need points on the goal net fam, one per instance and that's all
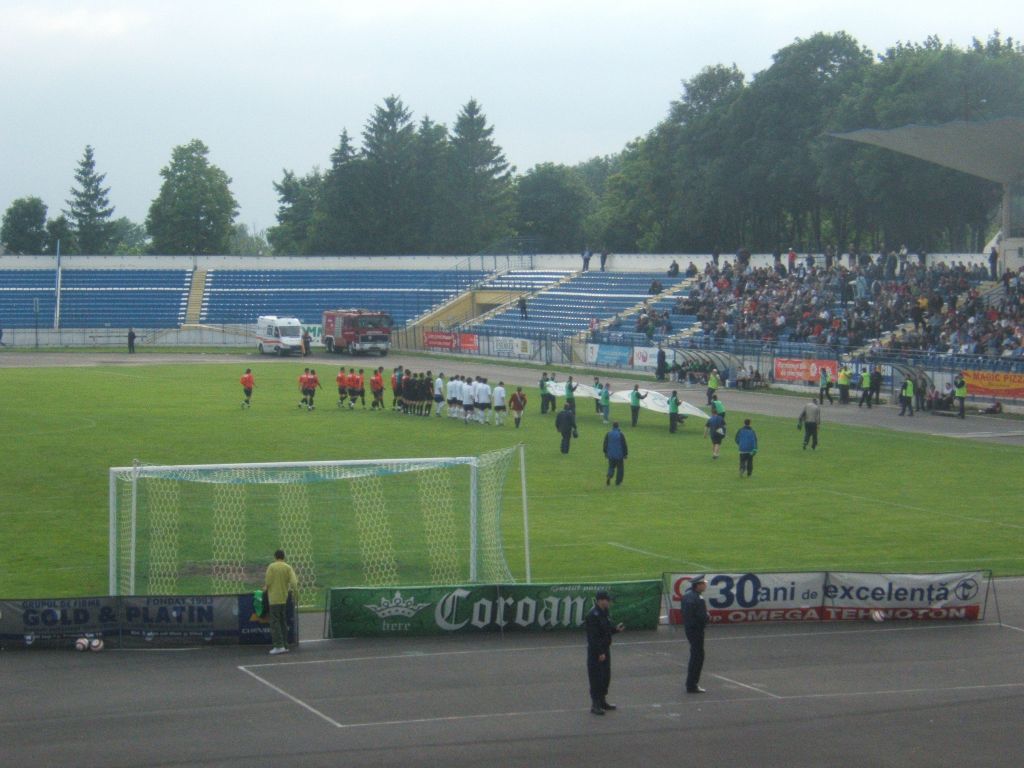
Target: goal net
(212, 529)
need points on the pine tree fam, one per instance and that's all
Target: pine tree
(481, 182)
(89, 211)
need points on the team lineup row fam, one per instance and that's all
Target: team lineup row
(466, 397)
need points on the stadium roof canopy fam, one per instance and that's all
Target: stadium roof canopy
(993, 149)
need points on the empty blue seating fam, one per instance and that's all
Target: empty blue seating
(118, 298)
(240, 296)
(19, 291)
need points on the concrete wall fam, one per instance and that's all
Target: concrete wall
(637, 262)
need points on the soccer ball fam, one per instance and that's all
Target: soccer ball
(877, 616)
(82, 644)
(96, 644)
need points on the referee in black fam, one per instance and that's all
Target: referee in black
(695, 618)
(599, 652)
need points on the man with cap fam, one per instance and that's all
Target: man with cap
(599, 652)
(695, 618)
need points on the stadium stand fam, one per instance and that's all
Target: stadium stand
(144, 298)
(239, 296)
(19, 290)
(568, 307)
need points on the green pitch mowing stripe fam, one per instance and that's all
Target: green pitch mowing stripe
(866, 499)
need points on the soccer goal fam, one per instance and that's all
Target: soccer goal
(212, 529)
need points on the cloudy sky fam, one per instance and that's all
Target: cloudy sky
(271, 85)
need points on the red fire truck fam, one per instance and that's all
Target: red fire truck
(357, 330)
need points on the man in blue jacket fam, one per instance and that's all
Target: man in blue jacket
(616, 451)
(746, 439)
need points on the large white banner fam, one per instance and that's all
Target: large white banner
(658, 402)
(734, 598)
(905, 595)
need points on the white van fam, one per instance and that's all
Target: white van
(278, 335)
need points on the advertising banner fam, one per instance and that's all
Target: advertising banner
(190, 618)
(418, 611)
(796, 369)
(905, 595)
(995, 385)
(609, 356)
(645, 358)
(469, 342)
(25, 622)
(736, 598)
(509, 347)
(439, 340)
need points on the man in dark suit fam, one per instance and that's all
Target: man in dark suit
(599, 652)
(565, 423)
(695, 618)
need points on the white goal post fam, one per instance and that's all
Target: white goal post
(213, 528)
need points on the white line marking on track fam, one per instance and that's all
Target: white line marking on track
(575, 648)
(975, 435)
(294, 699)
(744, 685)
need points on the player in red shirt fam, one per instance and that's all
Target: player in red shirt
(342, 380)
(352, 383)
(304, 389)
(377, 388)
(248, 382)
(361, 388)
(314, 383)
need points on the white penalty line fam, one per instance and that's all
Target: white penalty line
(671, 558)
(912, 508)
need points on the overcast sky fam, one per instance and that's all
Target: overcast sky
(271, 85)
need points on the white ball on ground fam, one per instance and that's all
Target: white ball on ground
(82, 644)
(877, 616)
(96, 644)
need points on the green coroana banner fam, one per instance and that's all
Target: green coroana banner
(440, 610)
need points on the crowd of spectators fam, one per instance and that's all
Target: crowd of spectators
(854, 300)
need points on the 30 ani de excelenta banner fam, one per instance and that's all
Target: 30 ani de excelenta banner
(734, 598)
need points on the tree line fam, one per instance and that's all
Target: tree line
(737, 162)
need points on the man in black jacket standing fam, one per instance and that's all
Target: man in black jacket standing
(565, 423)
(695, 618)
(599, 652)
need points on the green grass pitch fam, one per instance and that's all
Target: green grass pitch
(868, 499)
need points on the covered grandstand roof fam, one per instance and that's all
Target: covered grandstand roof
(993, 149)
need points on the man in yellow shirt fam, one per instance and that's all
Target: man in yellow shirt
(281, 582)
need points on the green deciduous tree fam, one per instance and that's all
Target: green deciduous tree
(60, 234)
(24, 226)
(195, 210)
(129, 237)
(89, 210)
(552, 206)
(298, 198)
